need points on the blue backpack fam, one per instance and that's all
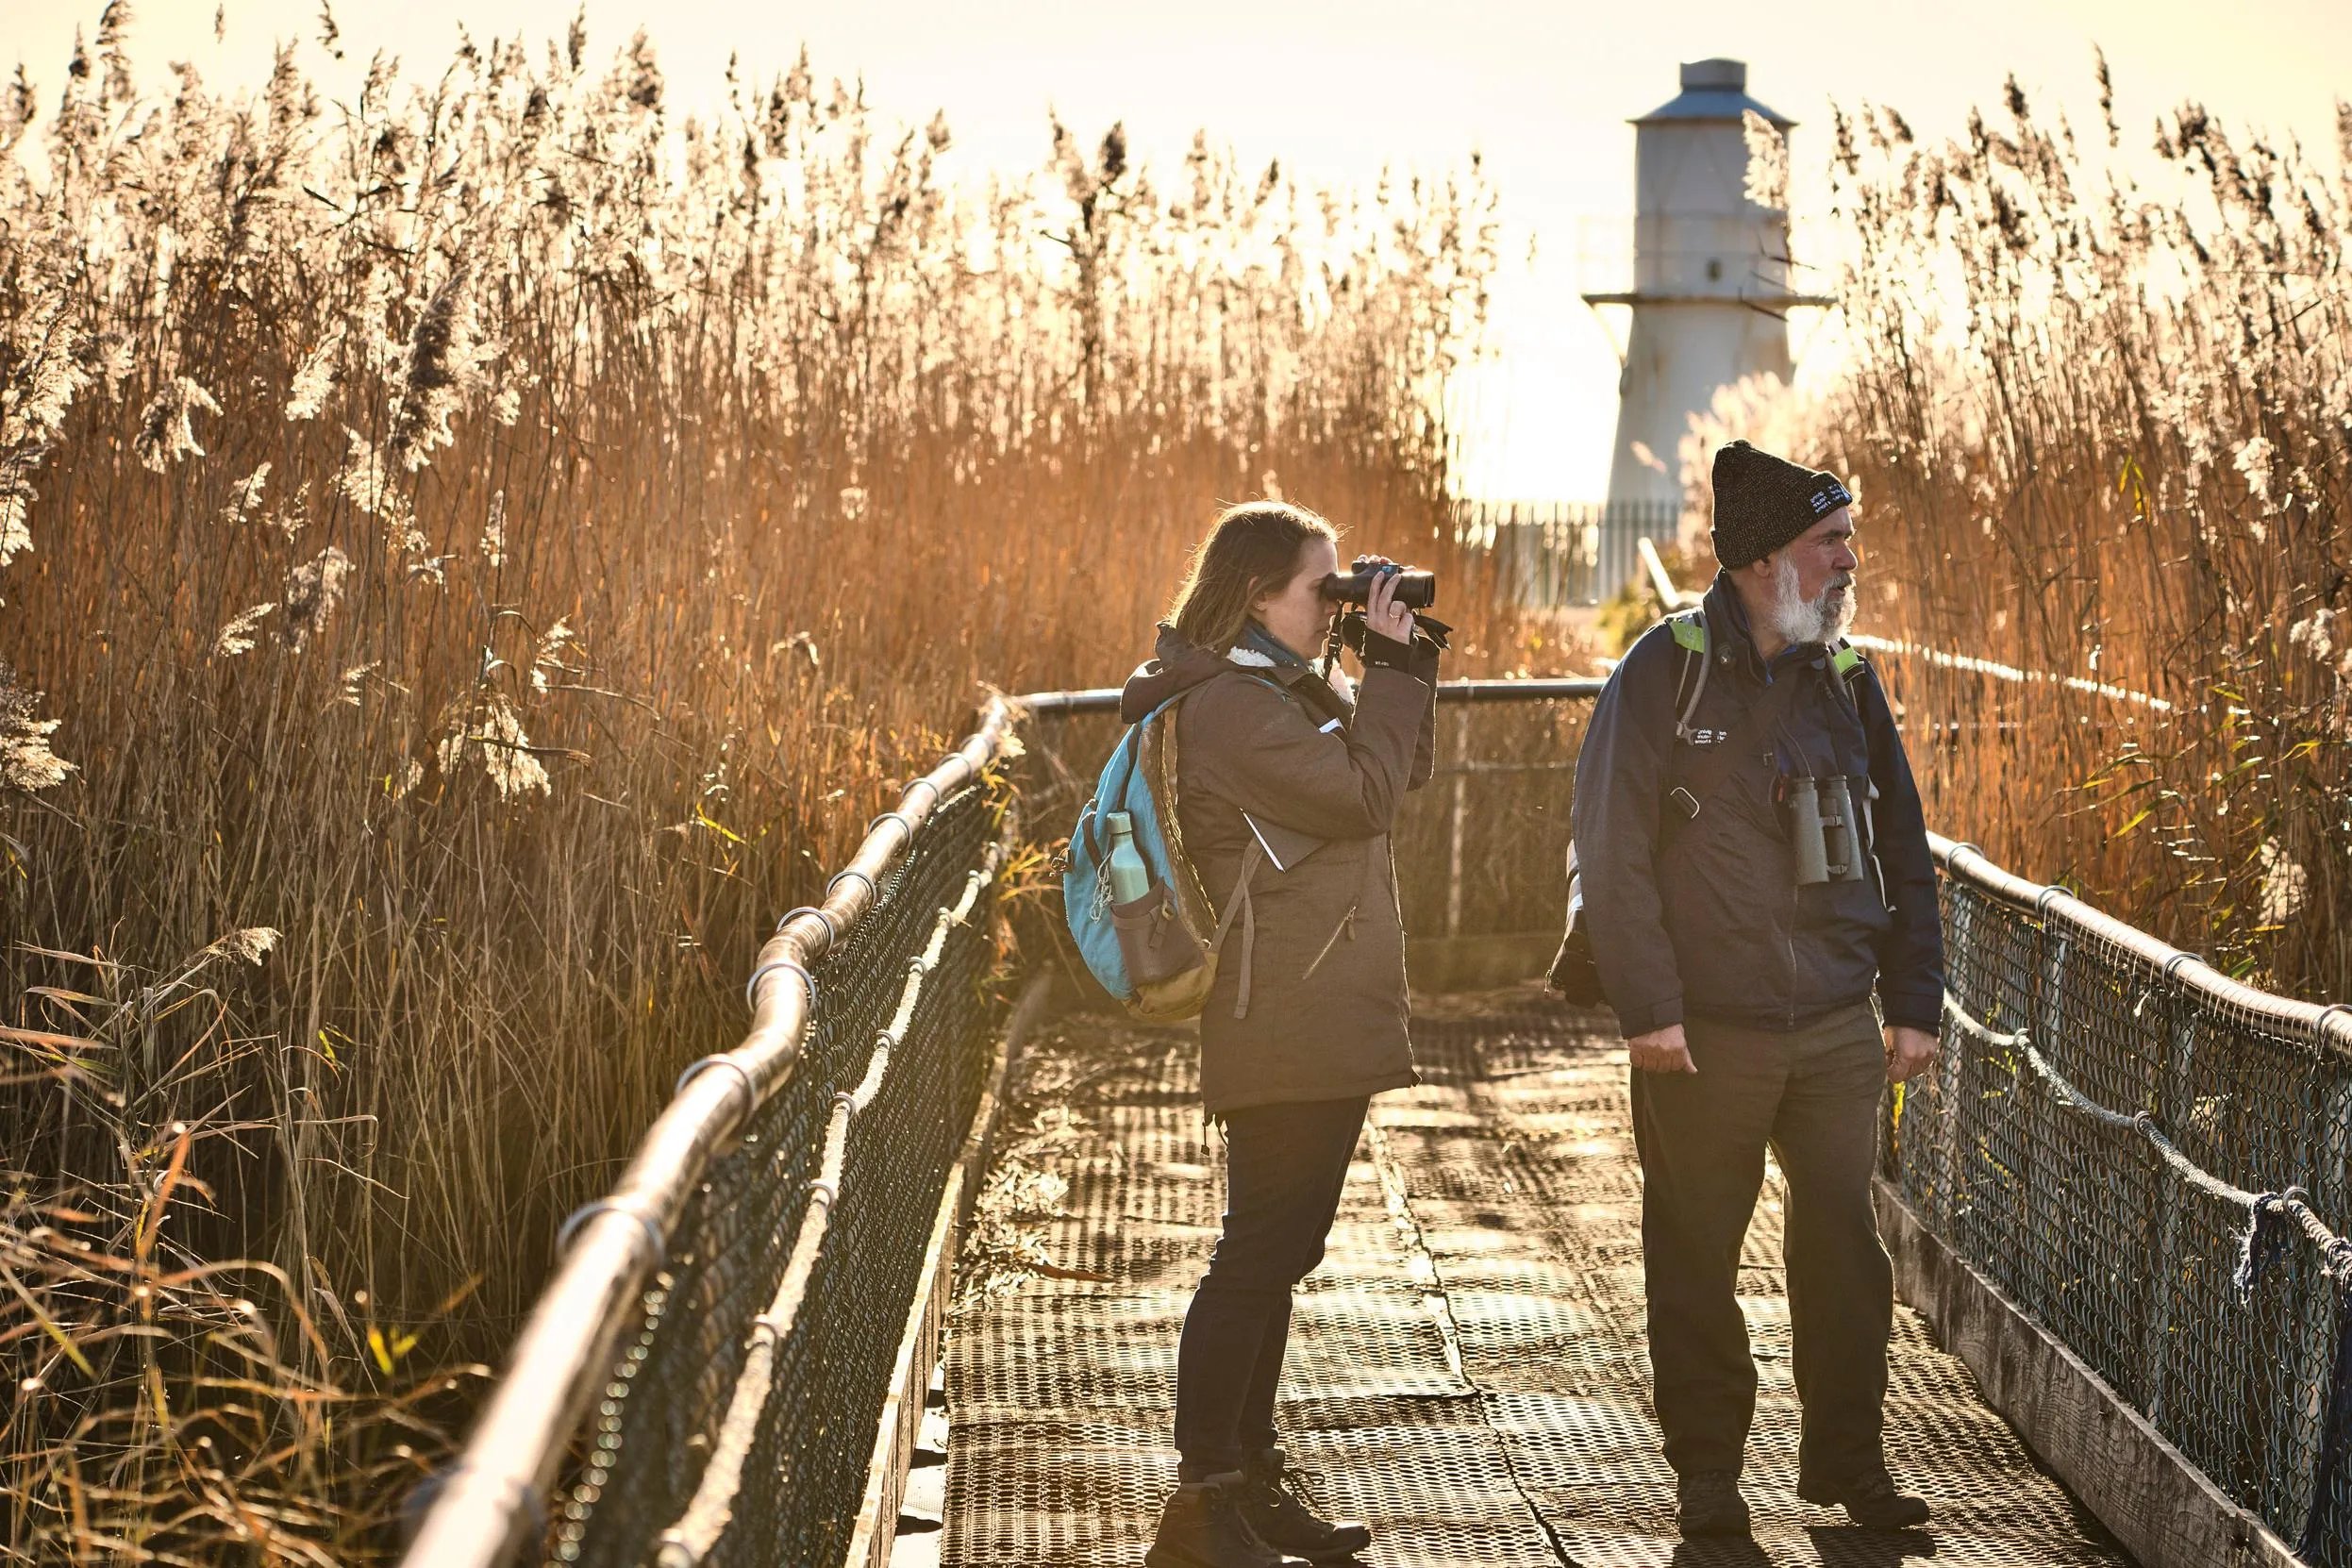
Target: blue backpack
(1158, 955)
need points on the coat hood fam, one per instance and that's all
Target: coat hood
(1177, 666)
(1174, 668)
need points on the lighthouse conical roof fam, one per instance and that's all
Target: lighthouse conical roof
(1713, 90)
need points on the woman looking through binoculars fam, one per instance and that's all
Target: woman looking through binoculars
(1288, 783)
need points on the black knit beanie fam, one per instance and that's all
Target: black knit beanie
(1762, 502)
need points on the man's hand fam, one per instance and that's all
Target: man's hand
(1910, 1053)
(1661, 1051)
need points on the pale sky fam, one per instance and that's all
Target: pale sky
(1337, 90)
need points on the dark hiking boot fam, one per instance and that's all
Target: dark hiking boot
(1274, 1500)
(1202, 1527)
(1871, 1499)
(1709, 1503)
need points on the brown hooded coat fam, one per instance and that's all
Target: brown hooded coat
(1324, 964)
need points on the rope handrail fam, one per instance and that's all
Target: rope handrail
(2272, 1220)
(2009, 673)
(1105, 699)
(2290, 1202)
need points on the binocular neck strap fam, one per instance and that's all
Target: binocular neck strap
(1331, 644)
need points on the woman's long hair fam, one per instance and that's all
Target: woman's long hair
(1252, 549)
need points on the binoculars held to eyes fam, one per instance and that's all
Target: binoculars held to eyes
(1415, 589)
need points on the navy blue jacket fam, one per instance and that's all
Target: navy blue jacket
(1715, 926)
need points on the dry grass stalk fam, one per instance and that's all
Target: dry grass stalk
(164, 1406)
(506, 534)
(2099, 430)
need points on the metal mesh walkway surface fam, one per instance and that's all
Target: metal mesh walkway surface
(1467, 1371)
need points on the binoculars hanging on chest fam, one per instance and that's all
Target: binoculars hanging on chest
(1827, 826)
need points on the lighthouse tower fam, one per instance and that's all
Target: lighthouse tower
(1710, 278)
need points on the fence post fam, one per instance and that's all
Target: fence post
(1542, 541)
(2310, 1394)
(2050, 997)
(2165, 1272)
(1582, 523)
(1453, 853)
(1611, 564)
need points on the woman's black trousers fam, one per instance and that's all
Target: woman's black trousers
(1285, 1166)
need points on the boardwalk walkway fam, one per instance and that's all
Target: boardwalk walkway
(1467, 1373)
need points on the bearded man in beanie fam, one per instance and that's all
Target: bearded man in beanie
(1762, 906)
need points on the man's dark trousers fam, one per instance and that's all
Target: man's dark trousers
(1813, 1095)
(1286, 1166)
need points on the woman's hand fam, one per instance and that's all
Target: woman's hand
(1382, 613)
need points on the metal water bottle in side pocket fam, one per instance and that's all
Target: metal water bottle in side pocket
(1152, 938)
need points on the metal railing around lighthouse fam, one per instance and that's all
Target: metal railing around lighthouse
(1558, 554)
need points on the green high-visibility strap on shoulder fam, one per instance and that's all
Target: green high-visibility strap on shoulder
(1689, 629)
(1690, 632)
(1846, 659)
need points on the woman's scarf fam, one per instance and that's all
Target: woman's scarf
(1260, 649)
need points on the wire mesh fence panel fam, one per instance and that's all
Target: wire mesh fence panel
(651, 1439)
(1481, 849)
(2200, 1306)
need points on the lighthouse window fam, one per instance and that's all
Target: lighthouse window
(1715, 269)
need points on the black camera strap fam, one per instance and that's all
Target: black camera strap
(1716, 763)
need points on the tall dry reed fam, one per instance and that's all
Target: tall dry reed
(504, 534)
(2098, 429)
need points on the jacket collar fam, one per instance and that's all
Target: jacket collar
(1259, 649)
(1260, 653)
(1727, 626)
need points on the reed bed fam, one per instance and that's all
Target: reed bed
(2099, 430)
(472, 558)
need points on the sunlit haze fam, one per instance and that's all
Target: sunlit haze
(1337, 92)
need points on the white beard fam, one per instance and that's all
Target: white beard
(1822, 619)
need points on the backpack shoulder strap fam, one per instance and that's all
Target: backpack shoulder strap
(1848, 669)
(1241, 904)
(1690, 634)
(1159, 761)
(1088, 835)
